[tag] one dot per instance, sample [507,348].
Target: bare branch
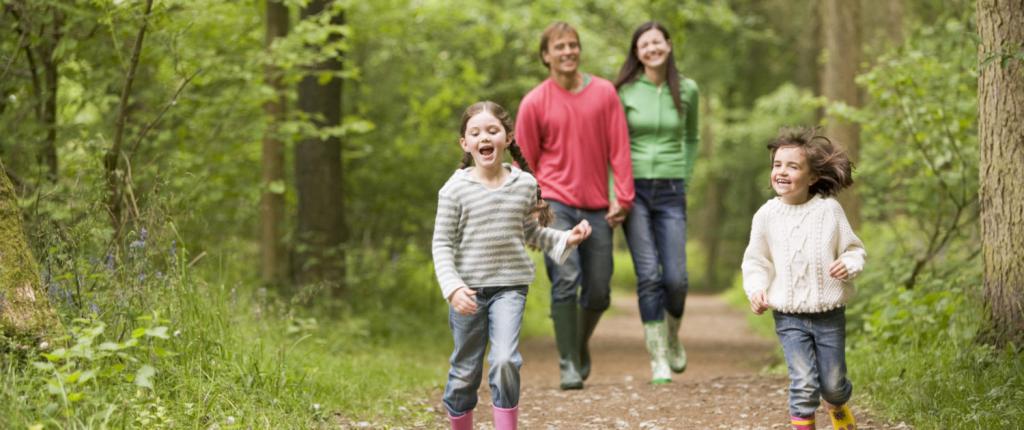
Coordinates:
[172,102]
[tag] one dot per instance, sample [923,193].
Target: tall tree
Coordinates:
[318,173]
[841,31]
[112,159]
[272,203]
[25,310]
[40,30]
[1001,138]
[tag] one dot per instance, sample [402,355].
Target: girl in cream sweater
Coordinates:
[800,261]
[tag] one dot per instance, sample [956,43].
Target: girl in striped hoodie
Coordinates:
[487,212]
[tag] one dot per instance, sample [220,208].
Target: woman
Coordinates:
[662,113]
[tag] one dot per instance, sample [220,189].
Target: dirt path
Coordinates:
[721,388]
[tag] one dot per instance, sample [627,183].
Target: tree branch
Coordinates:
[155,121]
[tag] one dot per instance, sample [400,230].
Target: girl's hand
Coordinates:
[463,302]
[838,270]
[579,233]
[759,302]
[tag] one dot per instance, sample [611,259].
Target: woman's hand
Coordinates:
[463,301]
[579,233]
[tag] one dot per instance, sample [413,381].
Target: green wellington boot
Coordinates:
[655,338]
[676,352]
[587,323]
[567,339]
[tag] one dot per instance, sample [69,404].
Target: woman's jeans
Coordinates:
[656,233]
[589,266]
[498,318]
[815,348]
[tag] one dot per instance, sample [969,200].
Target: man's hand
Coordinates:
[616,214]
[463,301]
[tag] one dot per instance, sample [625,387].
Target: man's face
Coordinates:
[563,53]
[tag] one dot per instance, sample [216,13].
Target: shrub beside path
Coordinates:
[722,388]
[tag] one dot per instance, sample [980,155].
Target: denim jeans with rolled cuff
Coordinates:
[815,349]
[498,319]
[656,233]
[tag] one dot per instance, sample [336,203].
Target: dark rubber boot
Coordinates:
[587,323]
[567,339]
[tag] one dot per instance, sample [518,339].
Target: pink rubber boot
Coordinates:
[506,419]
[462,422]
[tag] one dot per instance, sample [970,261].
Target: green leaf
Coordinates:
[276,187]
[143,377]
[160,332]
[139,332]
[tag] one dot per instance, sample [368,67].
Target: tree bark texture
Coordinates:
[1001,139]
[24,307]
[272,247]
[841,31]
[318,174]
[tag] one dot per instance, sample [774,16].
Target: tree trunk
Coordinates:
[272,202]
[318,174]
[51,37]
[112,159]
[1001,139]
[25,310]
[712,208]
[840,19]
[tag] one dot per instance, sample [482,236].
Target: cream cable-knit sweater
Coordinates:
[790,250]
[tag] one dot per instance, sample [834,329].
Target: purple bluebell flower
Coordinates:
[143,234]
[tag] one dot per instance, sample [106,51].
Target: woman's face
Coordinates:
[652,49]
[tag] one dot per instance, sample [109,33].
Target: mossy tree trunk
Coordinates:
[1001,138]
[25,310]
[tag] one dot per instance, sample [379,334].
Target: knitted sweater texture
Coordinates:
[790,250]
[480,234]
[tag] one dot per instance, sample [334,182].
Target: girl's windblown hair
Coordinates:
[827,160]
[541,209]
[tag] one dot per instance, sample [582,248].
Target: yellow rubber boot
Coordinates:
[842,418]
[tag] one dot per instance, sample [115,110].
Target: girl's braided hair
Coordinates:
[541,209]
[827,160]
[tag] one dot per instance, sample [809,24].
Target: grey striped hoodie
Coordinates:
[480,234]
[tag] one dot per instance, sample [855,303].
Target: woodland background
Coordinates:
[225,207]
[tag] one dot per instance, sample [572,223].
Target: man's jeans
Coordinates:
[815,348]
[498,318]
[656,233]
[589,266]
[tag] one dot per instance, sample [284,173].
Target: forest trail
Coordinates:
[722,387]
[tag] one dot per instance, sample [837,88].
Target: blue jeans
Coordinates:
[815,348]
[656,233]
[498,318]
[589,266]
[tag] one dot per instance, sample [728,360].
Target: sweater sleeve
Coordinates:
[553,242]
[849,248]
[691,142]
[446,227]
[758,268]
[617,132]
[528,132]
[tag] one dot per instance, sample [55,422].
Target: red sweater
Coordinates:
[570,140]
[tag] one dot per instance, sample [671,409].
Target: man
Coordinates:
[571,128]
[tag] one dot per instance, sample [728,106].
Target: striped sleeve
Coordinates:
[554,242]
[446,227]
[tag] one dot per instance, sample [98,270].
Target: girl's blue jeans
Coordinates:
[815,348]
[497,320]
[656,233]
[589,266]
